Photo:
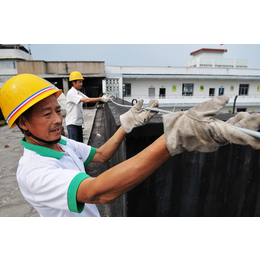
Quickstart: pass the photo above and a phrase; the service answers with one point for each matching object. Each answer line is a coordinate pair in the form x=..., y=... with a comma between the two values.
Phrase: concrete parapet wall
x=33, y=67
x=51, y=67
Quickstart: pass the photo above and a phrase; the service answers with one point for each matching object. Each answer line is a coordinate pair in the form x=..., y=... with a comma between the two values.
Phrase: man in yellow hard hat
x=74, y=107
x=51, y=173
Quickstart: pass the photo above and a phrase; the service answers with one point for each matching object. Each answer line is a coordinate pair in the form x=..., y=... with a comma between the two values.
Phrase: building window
x=221, y=91
x=243, y=89
x=224, y=66
x=7, y=64
x=241, y=110
x=127, y=90
x=205, y=65
x=162, y=93
x=151, y=92
x=187, y=89
x=112, y=85
x=211, y=92
x=3, y=79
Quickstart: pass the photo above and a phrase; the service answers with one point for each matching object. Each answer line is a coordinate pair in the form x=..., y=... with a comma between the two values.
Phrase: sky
x=140, y=33
x=174, y=55
x=143, y=33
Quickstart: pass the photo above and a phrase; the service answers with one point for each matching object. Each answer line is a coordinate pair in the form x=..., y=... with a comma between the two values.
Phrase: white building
x=9, y=55
x=207, y=75
x=214, y=58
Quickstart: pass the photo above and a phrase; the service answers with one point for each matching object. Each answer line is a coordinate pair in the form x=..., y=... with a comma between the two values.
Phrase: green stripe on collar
x=44, y=151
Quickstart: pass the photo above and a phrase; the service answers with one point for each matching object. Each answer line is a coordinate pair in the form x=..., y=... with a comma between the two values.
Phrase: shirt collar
x=75, y=90
x=44, y=151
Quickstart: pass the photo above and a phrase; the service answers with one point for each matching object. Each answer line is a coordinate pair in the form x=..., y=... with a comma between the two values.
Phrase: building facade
x=16, y=59
x=207, y=75
x=58, y=73
x=9, y=55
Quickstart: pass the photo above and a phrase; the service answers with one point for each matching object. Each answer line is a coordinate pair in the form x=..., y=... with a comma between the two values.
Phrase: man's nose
x=58, y=118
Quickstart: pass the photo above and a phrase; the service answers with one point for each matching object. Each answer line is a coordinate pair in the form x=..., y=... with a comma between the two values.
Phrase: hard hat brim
x=74, y=79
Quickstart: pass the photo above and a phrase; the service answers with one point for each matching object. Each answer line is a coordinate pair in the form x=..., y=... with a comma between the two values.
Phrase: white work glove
x=137, y=116
x=105, y=98
x=245, y=120
x=198, y=130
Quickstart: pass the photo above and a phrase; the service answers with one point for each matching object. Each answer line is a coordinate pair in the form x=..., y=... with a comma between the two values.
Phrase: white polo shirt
x=49, y=180
x=74, y=108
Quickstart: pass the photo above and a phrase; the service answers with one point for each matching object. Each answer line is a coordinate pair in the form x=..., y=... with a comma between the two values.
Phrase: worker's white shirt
x=74, y=108
x=49, y=180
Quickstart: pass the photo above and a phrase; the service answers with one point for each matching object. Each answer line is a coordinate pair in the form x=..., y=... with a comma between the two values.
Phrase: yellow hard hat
x=21, y=92
x=75, y=75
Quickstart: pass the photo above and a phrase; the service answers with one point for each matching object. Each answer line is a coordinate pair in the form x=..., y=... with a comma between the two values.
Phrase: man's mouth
x=56, y=130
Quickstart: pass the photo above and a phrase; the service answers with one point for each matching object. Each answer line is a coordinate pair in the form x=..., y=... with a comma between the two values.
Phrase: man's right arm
x=125, y=176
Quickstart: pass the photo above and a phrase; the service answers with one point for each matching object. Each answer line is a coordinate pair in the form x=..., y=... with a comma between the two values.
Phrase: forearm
x=88, y=100
x=124, y=176
x=108, y=149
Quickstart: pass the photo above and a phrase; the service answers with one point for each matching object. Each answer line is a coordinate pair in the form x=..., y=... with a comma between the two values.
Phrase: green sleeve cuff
x=91, y=156
x=73, y=204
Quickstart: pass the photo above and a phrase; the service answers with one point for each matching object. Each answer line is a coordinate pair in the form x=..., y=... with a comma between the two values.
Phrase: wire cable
x=246, y=131
x=146, y=108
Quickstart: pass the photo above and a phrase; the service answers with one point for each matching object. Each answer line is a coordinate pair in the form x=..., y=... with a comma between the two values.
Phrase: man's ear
x=22, y=123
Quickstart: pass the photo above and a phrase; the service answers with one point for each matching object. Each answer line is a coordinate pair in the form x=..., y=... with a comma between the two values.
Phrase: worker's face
x=78, y=84
x=46, y=119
